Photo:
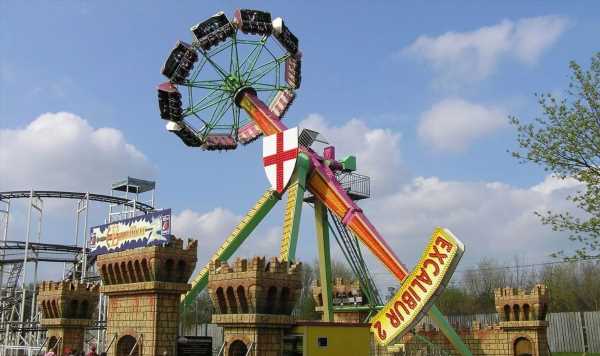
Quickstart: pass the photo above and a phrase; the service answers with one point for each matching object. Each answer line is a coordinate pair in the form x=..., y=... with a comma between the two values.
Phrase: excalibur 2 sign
x=420, y=289
x=150, y=229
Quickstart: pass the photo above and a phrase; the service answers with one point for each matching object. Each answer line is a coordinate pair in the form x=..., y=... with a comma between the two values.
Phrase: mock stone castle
x=521, y=330
x=67, y=307
x=344, y=293
x=144, y=286
x=253, y=301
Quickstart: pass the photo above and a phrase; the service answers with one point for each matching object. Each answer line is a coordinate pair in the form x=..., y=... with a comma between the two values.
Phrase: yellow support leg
x=293, y=210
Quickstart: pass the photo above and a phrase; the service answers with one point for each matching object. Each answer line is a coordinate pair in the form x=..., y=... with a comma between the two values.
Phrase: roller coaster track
x=20, y=194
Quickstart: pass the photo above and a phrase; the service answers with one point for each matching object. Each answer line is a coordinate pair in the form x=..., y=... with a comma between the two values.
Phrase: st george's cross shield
x=280, y=152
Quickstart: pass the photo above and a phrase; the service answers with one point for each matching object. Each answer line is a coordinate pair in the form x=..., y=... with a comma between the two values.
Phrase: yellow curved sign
x=420, y=288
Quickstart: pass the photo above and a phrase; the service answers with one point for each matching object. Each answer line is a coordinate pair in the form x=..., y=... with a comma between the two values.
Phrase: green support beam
x=440, y=321
x=254, y=216
x=324, y=259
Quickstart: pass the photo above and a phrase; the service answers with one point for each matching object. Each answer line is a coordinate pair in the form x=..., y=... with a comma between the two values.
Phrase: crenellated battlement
x=516, y=304
x=70, y=286
x=170, y=263
x=343, y=293
x=255, y=286
x=537, y=290
x=67, y=300
x=257, y=264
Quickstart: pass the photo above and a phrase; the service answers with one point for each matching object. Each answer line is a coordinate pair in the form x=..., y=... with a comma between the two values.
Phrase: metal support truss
x=350, y=247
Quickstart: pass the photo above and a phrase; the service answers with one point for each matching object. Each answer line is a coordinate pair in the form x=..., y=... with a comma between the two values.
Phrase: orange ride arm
x=323, y=185
x=268, y=122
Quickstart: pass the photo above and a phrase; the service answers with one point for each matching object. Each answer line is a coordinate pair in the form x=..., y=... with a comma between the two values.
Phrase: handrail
x=43, y=344
x=111, y=342
x=141, y=338
x=222, y=348
x=250, y=348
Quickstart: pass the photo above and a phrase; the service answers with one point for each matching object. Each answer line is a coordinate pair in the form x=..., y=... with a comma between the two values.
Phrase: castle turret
x=347, y=300
x=144, y=286
x=67, y=309
x=517, y=305
x=522, y=317
x=253, y=301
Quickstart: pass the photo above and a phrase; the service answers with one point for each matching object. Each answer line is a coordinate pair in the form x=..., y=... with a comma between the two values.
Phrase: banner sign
x=420, y=288
x=149, y=229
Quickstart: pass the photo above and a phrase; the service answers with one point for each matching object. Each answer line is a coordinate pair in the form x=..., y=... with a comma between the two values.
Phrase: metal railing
x=355, y=184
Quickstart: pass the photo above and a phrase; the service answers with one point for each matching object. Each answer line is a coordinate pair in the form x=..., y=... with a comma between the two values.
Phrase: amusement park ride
x=238, y=78
x=227, y=75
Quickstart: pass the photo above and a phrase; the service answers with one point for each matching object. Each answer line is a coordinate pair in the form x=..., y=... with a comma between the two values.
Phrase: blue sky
x=427, y=84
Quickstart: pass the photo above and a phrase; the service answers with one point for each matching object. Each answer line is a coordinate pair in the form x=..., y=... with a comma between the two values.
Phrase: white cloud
x=213, y=227
x=62, y=151
x=553, y=184
x=377, y=150
x=493, y=219
x=473, y=55
x=452, y=124
x=210, y=229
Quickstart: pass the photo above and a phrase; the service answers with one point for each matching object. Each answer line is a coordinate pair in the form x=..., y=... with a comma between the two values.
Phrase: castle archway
x=125, y=346
x=238, y=348
x=523, y=347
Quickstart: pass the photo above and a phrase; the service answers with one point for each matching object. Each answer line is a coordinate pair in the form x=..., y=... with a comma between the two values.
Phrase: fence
x=574, y=332
x=212, y=330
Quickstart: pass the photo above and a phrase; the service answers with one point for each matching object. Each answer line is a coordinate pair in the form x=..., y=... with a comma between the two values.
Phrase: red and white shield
x=279, y=157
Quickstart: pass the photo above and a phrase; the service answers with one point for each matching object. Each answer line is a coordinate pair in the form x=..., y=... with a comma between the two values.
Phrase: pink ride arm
x=322, y=183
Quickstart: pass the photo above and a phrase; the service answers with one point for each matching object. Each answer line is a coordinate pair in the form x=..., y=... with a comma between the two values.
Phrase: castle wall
x=491, y=341
x=253, y=301
x=144, y=286
x=67, y=308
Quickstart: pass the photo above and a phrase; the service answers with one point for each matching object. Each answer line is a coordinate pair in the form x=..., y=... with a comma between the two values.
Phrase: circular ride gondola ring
x=225, y=59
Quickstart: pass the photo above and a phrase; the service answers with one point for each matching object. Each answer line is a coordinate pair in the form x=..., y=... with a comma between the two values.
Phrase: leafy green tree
x=199, y=312
x=565, y=140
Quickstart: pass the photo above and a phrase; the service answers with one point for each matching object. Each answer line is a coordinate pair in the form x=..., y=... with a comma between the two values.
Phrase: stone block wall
x=67, y=308
x=496, y=340
x=255, y=286
x=253, y=300
x=344, y=294
x=144, y=287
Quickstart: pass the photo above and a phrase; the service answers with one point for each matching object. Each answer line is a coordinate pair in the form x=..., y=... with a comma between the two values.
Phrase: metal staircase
x=350, y=247
x=11, y=297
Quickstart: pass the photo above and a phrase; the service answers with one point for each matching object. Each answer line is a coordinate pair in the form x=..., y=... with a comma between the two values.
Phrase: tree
x=199, y=312
x=565, y=140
